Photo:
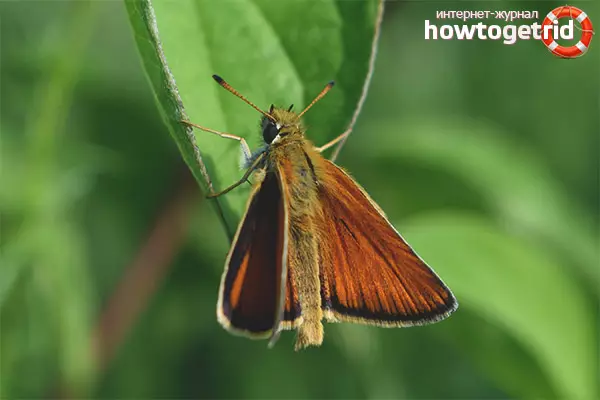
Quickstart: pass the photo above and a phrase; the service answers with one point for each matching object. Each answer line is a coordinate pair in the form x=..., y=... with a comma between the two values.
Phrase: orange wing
x=369, y=273
x=250, y=298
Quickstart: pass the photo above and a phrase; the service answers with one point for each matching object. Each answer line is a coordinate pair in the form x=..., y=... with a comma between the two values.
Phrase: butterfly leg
x=244, y=178
x=245, y=147
x=334, y=141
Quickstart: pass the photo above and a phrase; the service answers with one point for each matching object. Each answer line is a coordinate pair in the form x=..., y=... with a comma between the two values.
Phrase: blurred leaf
x=57, y=302
x=496, y=353
x=517, y=287
x=46, y=254
x=275, y=52
x=524, y=195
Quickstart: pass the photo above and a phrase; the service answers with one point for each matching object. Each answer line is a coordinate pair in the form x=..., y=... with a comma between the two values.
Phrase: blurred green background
x=485, y=157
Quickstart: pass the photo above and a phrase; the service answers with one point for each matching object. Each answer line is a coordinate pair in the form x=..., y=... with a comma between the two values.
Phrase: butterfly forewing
x=250, y=300
x=369, y=273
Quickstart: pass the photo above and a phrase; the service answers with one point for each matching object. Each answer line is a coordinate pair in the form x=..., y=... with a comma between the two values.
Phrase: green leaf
x=518, y=287
x=272, y=52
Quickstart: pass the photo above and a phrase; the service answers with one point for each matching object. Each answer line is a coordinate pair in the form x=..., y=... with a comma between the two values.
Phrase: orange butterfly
x=313, y=245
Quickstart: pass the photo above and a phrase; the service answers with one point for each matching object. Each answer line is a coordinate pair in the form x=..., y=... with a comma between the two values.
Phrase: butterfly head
x=284, y=123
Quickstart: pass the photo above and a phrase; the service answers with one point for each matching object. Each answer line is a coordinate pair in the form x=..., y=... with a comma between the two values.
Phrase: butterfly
x=312, y=245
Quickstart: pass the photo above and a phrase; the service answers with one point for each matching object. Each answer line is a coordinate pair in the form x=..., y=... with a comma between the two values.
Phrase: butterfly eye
x=270, y=131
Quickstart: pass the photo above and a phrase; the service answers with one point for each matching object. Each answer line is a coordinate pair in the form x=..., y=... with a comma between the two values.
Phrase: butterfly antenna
x=319, y=97
x=229, y=88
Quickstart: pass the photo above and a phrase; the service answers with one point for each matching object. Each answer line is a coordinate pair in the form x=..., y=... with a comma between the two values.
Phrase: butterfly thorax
x=292, y=156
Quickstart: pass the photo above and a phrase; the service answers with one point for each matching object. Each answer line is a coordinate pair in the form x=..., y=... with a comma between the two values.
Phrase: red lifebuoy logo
x=551, y=21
